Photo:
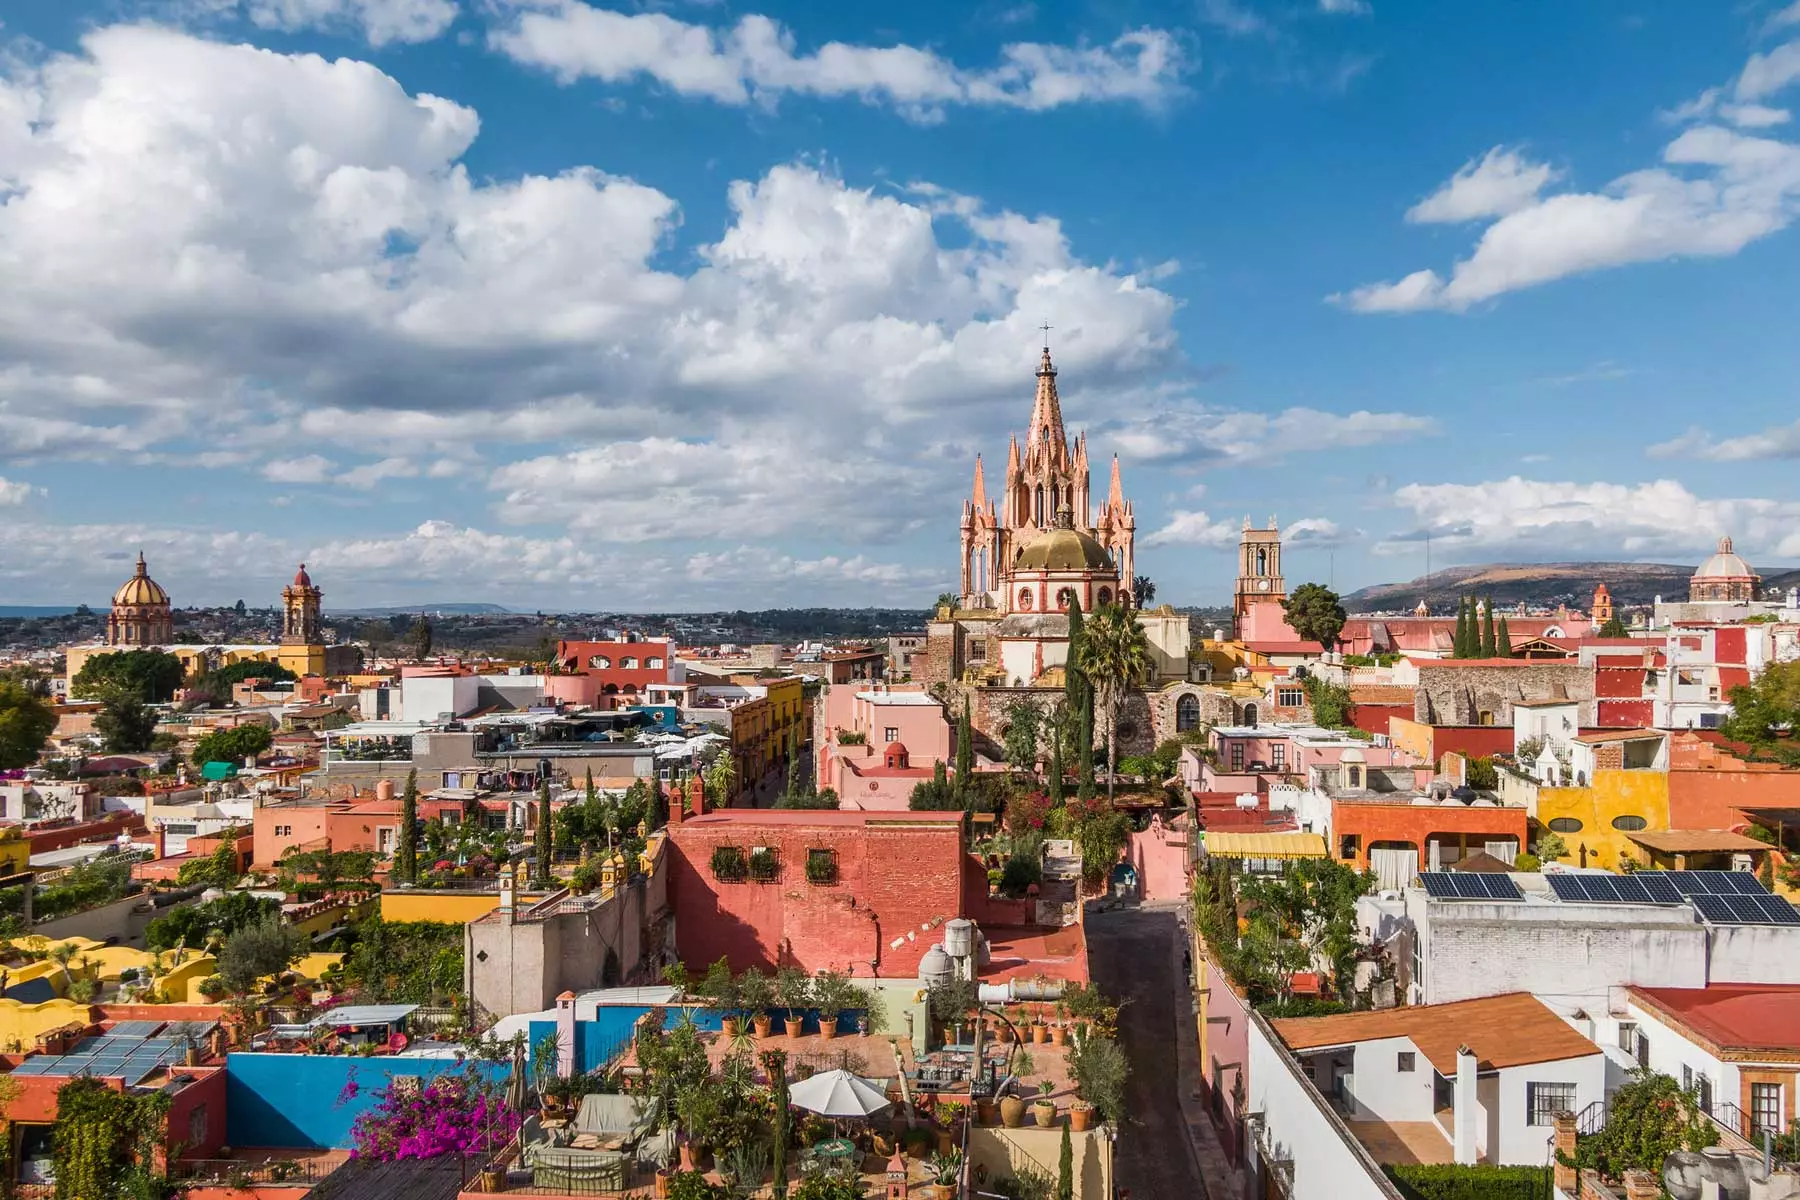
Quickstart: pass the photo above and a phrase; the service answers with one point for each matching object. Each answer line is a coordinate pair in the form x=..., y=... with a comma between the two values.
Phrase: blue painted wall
x=293, y=1099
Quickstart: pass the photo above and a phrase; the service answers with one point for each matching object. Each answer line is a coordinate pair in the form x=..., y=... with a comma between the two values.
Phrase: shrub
x=1527, y=862
x=1449, y=1181
x=728, y=864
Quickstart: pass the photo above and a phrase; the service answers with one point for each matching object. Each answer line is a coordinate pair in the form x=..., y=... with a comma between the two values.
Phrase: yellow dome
x=140, y=590
x=1063, y=550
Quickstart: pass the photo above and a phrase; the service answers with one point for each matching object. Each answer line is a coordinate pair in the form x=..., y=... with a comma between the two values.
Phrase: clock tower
x=1259, y=569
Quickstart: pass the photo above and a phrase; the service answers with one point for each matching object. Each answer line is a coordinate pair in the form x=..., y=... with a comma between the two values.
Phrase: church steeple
x=979, y=496
x=1046, y=431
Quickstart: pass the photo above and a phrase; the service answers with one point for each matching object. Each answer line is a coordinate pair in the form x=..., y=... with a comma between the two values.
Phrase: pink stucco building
x=874, y=745
x=1250, y=758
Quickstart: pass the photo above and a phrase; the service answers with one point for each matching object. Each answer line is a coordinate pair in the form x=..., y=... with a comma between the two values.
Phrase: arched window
x=630, y=662
x=599, y=662
x=1187, y=713
x=654, y=662
x=1065, y=597
x=1025, y=599
x=1262, y=562
x=1484, y=717
x=611, y=689
x=1106, y=595
x=1250, y=714
x=1040, y=504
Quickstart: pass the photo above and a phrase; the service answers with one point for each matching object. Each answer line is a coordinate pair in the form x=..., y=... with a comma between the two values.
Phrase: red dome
x=895, y=748
x=301, y=578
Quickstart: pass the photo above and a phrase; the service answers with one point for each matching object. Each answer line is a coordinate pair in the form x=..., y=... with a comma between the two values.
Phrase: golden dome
x=140, y=590
x=1063, y=549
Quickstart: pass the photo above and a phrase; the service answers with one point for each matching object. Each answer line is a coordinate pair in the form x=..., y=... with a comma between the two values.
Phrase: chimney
x=1563, y=1139
x=1465, y=1111
x=506, y=895
x=565, y=1034
x=677, y=804
x=162, y=841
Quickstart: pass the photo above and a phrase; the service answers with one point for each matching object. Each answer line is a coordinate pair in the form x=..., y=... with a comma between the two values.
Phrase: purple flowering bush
x=458, y=1112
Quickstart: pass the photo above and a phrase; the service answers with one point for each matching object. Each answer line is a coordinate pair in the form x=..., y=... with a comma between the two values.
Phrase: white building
x=1476, y=1081
x=1737, y=1047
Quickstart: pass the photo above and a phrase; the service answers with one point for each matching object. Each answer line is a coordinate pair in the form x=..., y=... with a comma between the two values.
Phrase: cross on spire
x=1046, y=327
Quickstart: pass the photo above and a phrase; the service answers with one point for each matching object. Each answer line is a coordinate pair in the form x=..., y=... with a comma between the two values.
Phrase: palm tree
x=1115, y=657
x=718, y=778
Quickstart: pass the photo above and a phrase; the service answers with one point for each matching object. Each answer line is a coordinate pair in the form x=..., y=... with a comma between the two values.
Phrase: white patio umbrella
x=838, y=1093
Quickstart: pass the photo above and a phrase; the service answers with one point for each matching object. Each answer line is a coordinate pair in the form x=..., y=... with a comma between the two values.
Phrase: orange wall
x=1416, y=823
x=307, y=824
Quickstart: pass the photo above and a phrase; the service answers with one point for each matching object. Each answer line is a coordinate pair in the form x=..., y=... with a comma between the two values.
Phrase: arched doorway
x=1187, y=713
x=1250, y=715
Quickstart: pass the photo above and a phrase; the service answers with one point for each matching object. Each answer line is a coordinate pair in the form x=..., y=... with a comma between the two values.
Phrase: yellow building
x=764, y=729
x=1596, y=822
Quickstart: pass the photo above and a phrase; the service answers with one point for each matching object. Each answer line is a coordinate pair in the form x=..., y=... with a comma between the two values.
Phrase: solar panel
x=1439, y=885
x=1719, y=883
x=1746, y=883
x=1500, y=887
x=31, y=1066
x=1779, y=911
x=1567, y=887
x=1660, y=889
x=135, y=1029
x=1603, y=888
x=1468, y=887
x=1737, y=909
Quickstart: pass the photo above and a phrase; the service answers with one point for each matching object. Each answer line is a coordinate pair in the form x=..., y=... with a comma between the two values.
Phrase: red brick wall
x=895, y=876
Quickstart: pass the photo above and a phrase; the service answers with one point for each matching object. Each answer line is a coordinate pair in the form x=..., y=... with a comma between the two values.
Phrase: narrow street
x=1133, y=958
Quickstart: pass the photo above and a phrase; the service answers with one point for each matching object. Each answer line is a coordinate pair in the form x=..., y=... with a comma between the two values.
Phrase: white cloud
x=755, y=60
x=1499, y=182
x=287, y=251
x=1315, y=531
x=1198, y=435
x=1234, y=19
x=1781, y=441
x=1190, y=527
x=311, y=468
x=13, y=493
x=1533, y=518
x=1716, y=191
x=1787, y=16
x=379, y=21
x=1755, y=116
x=1358, y=8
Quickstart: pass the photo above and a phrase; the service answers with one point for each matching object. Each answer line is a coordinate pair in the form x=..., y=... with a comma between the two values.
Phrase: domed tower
x=1061, y=565
x=1602, y=610
x=300, y=611
x=141, y=612
x=1724, y=578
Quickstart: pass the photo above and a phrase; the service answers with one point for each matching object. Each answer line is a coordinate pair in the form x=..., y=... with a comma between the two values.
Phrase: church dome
x=1724, y=565
x=301, y=578
x=1063, y=550
x=140, y=589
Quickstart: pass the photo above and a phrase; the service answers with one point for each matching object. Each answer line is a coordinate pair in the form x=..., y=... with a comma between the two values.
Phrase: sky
x=602, y=305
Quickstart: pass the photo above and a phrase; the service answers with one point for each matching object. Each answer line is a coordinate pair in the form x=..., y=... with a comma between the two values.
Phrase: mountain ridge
x=1571, y=583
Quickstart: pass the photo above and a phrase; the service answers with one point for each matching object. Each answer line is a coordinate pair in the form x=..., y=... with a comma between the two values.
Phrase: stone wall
x=1457, y=694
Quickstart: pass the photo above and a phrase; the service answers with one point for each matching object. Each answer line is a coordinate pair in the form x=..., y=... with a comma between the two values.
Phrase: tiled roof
x=1740, y=1021
x=1512, y=1030
x=1617, y=735
x=1695, y=841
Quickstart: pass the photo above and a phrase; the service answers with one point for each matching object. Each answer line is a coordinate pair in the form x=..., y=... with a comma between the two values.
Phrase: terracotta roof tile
x=1512, y=1030
x=1740, y=1021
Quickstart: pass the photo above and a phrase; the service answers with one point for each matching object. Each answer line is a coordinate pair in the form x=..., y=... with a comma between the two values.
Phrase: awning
x=1696, y=841
x=1294, y=844
x=365, y=1014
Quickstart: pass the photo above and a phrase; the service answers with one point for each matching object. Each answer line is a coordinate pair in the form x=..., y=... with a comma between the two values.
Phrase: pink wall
x=922, y=728
x=1266, y=622
x=1160, y=855
x=1225, y=1058
x=881, y=790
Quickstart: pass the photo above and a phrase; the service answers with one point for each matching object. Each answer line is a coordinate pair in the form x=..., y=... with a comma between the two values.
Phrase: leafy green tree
x=25, y=721
x=720, y=774
x=253, y=668
x=406, y=849
x=1766, y=712
x=1054, y=725
x=232, y=745
x=1330, y=702
x=1551, y=847
x=1024, y=726
x=965, y=751
x=1483, y=774
x=1143, y=590
x=1614, y=628
x=936, y=794
x=253, y=951
x=1488, y=639
x=1647, y=1119
x=218, y=869
x=105, y=1142
x=1503, y=644
x=418, y=638
x=1313, y=611
x=125, y=723
x=192, y=925
x=151, y=674
x=1115, y=657
x=1100, y=1070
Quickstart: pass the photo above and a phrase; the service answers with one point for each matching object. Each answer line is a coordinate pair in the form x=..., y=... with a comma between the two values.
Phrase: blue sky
x=567, y=305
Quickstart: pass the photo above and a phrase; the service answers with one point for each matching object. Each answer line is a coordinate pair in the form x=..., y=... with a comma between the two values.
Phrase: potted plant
x=1040, y=1033
x=916, y=1142
x=832, y=994
x=946, y=1173
x=1043, y=1109
x=756, y=992
x=1059, y=1032
x=793, y=991
x=719, y=987
x=1081, y=1115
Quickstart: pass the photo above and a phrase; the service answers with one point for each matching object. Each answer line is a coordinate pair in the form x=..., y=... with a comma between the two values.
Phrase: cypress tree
x=541, y=843
x=406, y=853
x=1055, y=782
x=1459, y=642
x=1488, y=649
x=965, y=755
x=1065, y=1169
x=775, y=1062
x=1503, y=640
x=1078, y=696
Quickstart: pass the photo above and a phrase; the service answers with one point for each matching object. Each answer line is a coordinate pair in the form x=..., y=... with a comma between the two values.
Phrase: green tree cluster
x=1765, y=714
x=1314, y=612
x=194, y=925
x=406, y=962
x=1647, y=1119
x=126, y=724
x=1330, y=702
x=255, y=950
x=26, y=720
x=152, y=675
x=1115, y=657
x=1297, y=921
x=105, y=1142
x=232, y=745
x=1078, y=704
x=1478, y=633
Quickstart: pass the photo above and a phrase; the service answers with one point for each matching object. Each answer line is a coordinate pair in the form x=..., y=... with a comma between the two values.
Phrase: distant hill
x=454, y=610
x=1547, y=584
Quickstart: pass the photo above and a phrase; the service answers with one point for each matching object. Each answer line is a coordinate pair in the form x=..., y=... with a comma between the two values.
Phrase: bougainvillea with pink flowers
x=458, y=1112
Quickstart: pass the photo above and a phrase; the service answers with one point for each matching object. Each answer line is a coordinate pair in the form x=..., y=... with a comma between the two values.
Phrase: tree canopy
x=125, y=723
x=1765, y=713
x=232, y=745
x=25, y=721
x=151, y=675
x=1115, y=657
x=253, y=951
x=1313, y=611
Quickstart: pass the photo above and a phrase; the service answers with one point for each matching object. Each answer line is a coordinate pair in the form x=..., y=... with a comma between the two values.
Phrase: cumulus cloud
x=1198, y=436
x=13, y=493
x=1499, y=182
x=1192, y=527
x=756, y=60
x=1536, y=518
x=1717, y=190
x=310, y=468
x=1780, y=441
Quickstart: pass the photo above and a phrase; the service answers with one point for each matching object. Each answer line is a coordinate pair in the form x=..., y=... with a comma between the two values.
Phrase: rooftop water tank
x=959, y=937
x=935, y=968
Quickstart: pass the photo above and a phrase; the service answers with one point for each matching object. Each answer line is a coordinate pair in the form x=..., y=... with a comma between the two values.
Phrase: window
x=821, y=866
x=1628, y=1035
x=1237, y=756
x=1348, y=845
x=765, y=864
x=1065, y=597
x=1404, y=1062
x=1765, y=1108
x=630, y=663
x=1687, y=1077
x=1187, y=713
x=1564, y=825
x=1106, y=595
x=654, y=662
x=1290, y=697
x=728, y=864
x=1628, y=823
x=1025, y=599
x=1543, y=1101
x=1278, y=756
x=284, y=831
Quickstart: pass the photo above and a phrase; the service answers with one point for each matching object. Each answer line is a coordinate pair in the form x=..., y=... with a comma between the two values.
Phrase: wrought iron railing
x=235, y=1172
x=1591, y=1120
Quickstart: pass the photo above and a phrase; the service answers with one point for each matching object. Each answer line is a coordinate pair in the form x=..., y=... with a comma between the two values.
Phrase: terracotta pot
x=794, y=1028
x=1044, y=1113
x=946, y=1142
x=1080, y=1117
x=762, y=1026
x=731, y=1026
x=687, y=1157
x=984, y=1111
x=1039, y=1034
x=493, y=1181
x=1012, y=1111
x=1058, y=1035
x=827, y=1029
x=662, y=1183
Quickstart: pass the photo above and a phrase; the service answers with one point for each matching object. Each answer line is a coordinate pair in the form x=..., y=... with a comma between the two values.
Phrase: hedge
x=1449, y=1181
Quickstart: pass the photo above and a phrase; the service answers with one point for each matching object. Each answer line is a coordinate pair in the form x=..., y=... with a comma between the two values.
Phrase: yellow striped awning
x=1293, y=844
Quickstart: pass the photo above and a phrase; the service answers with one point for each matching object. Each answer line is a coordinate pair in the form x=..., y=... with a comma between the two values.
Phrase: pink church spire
x=1046, y=412
x=979, y=496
